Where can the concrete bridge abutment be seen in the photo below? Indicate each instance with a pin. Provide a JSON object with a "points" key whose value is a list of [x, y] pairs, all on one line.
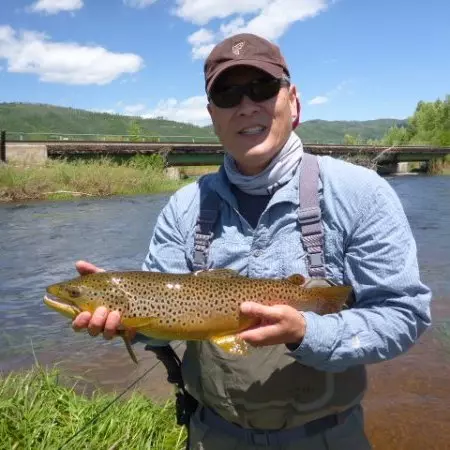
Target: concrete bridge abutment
{"points": [[26, 153]]}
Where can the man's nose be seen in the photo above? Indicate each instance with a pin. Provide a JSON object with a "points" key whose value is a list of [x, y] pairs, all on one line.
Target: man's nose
{"points": [[247, 106]]}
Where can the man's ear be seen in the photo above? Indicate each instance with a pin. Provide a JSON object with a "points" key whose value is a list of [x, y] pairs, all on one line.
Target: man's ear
{"points": [[295, 106], [211, 114]]}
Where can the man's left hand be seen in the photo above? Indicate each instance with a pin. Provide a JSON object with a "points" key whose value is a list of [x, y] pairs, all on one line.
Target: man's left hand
{"points": [[278, 324]]}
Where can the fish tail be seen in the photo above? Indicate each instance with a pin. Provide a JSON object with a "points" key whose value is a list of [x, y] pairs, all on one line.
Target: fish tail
{"points": [[334, 299]]}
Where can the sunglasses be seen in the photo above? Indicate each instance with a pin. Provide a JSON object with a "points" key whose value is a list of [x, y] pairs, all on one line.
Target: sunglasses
{"points": [[257, 90]]}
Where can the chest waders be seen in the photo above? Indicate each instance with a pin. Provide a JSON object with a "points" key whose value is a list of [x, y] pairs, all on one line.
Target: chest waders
{"points": [[283, 375]]}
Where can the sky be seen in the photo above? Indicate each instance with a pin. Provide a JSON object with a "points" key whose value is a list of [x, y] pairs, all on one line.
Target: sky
{"points": [[350, 59]]}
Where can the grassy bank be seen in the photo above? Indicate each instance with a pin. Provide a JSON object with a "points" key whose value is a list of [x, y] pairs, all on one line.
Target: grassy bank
{"points": [[66, 179], [38, 412]]}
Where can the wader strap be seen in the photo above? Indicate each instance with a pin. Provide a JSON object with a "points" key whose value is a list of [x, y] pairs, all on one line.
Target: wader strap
{"points": [[209, 210], [310, 216]]}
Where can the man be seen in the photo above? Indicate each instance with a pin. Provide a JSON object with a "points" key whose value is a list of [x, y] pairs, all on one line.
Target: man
{"points": [[301, 387]]}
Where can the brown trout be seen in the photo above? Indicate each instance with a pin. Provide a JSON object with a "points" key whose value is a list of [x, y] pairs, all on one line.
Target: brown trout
{"points": [[204, 305]]}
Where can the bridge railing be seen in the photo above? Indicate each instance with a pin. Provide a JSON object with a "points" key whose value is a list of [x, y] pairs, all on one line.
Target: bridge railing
{"points": [[96, 137], [90, 137]]}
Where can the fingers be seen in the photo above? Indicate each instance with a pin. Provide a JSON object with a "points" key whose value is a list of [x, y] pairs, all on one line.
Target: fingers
{"points": [[269, 314], [278, 324], [85, 268], [264, 335], [101, 321], [98, 321], [112, 324], [81, 321]]}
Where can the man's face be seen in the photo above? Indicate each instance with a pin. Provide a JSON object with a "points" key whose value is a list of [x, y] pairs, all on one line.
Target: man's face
{"points": [[253, 132]]}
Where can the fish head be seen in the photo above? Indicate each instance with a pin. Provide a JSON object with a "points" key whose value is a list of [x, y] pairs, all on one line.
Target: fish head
{"points": [[85, 293]]}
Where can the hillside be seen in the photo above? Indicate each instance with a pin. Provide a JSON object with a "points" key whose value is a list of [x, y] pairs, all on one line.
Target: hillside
{"points": [[42, 119], [333, 132]]}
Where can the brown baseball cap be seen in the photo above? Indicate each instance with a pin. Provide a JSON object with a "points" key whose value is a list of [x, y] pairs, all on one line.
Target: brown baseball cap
{"points": [[244, 50]]}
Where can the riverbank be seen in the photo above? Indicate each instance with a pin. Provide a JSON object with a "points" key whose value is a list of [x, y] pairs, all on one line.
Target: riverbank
{"points": [[41, 409], [58, 179]]}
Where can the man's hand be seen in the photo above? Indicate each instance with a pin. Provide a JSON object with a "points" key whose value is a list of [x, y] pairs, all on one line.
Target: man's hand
{"points": [[102, 320], [279, 324]]}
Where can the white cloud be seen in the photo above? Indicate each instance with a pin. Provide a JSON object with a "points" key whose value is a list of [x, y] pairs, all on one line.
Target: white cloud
{"points": [[134, 110], [267, 18], [319, 100], [201, 12], [339, 89], [56, 6], [232, 27], [66, 63], [191, 110], [138, 3], [200, 37], [202, 52]]}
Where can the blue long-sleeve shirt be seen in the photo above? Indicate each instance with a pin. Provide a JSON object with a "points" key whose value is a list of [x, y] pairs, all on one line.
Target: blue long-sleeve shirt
{"points": [[368, 244]]}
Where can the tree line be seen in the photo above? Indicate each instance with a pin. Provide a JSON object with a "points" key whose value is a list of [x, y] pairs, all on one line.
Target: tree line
{"points": [[429, 125]]}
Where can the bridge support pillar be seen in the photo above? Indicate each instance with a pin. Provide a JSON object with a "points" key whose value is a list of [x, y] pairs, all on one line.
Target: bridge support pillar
{"points": [[393, 168], [173, 173], [27, 153], [402, 167]]}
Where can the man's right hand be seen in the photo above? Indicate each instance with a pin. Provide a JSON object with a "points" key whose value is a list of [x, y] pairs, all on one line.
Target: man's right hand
{"points": [[102, 321]]}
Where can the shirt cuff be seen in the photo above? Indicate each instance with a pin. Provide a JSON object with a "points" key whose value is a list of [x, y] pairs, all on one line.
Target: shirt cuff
{"points": [[319, 340]]}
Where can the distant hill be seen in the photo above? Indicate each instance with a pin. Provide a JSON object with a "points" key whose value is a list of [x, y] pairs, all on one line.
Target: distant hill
{"points": [[333, 132], [43, 119]]}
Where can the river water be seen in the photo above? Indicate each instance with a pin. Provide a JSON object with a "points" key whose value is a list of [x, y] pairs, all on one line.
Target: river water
{"points": [[408, 401]]}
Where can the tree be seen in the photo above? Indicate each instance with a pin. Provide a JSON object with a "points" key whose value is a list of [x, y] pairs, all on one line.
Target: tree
{"points": [[135, 131]]}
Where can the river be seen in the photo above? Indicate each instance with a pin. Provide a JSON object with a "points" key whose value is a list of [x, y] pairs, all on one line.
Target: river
{"points": [[407, 405]]}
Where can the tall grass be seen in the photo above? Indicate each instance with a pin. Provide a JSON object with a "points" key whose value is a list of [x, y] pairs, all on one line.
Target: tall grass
{"points": [[103, 177], [440, 166], [38, 412]]}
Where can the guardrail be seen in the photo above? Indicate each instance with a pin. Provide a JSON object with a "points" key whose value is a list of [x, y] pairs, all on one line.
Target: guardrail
{"points": [[61, 137], [45, 137]]}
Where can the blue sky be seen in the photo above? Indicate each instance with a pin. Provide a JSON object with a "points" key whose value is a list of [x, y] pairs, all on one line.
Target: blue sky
{"points": [[350, 59]]}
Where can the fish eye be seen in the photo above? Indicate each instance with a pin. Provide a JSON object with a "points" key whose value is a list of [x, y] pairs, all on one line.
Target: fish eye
{"points": [[74, 292]]}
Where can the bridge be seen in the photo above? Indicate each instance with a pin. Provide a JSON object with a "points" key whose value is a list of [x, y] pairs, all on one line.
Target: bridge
{"points": [[176, 154]]}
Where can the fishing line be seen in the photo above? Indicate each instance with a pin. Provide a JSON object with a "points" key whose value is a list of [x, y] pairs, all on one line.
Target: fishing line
{"points": [[84, 427]]}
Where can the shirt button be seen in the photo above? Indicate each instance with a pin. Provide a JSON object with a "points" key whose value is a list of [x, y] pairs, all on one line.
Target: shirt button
{"points": [[258, 253]]}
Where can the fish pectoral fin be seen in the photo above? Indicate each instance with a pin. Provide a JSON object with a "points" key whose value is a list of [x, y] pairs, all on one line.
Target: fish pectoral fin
{"points": [[231, 344], [297, 279], [217, 273], [125, 335], [138, 322]]}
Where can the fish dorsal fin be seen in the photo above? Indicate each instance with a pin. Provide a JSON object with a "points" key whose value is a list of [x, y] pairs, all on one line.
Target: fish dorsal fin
{"points": [[217, 273], [296, 279], [318, 282]]}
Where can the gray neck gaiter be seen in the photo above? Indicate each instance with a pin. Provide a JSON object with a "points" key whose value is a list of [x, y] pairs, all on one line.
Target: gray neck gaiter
{"points": [[277, 173]]}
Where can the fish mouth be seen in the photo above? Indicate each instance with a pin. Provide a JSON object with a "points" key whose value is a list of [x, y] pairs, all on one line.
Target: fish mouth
{"points": [[62, 306]]}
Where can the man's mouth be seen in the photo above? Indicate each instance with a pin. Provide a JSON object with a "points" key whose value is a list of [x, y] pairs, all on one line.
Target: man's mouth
{"points": [[251, 131]]}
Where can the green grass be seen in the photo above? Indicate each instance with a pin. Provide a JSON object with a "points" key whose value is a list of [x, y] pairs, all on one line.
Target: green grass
{"points": [[39, 411], [67, 179]]}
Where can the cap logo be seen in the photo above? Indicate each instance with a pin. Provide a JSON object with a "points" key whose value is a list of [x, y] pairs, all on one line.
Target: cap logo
{"points": [[236, 49]]}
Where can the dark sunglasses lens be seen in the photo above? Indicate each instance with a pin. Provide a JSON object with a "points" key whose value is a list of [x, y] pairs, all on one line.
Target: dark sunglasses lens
{"points": [[227, 98], [263, 90], [258, 91]]}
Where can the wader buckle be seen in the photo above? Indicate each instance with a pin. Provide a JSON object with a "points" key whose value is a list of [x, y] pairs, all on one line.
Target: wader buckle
{"points": [[261, 438]]}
